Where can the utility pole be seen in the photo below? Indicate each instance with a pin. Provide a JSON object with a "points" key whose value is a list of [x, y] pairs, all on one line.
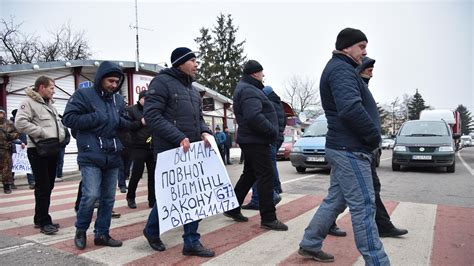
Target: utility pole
{"points": [[137, 52]]}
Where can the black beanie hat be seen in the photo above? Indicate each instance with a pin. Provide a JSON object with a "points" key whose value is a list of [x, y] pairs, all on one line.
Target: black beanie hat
{"points": [[181, 55], [141, 94], [252, 66], [367, 62], [348, 37]]}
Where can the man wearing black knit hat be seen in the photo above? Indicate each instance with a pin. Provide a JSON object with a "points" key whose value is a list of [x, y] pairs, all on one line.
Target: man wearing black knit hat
{"points": [[258, 129], [353, 134], [173, 113]]}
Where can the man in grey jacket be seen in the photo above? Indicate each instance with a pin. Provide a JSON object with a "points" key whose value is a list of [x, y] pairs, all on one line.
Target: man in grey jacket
{"points": [[38, 118]]}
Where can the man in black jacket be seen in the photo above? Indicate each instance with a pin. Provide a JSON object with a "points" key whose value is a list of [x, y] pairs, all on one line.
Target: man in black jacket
{"points": [[258, 122], [382, 218], [142, 153], [173, 112]]}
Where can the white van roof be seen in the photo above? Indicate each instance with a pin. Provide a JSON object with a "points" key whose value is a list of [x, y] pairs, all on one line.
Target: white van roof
{"points": [[433, 115]]}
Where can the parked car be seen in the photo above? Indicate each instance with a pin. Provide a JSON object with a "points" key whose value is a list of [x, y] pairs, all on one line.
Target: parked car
{"points": [[284, 152], [422, 143], [309, 151], [466, 141], [388, 143]]}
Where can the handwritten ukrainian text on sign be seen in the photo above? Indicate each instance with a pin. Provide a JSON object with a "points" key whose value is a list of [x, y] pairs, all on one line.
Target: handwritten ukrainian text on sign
{"points": [[21, 164], [191, 186]]}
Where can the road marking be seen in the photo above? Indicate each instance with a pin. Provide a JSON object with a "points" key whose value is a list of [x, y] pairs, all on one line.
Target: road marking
{"points": [[14, 248], [465, 164], [297, 179], [384, 159]]}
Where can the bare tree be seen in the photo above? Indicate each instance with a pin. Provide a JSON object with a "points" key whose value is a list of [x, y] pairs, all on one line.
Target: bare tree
{"points": [[64, 44], [18, 48], [302, 95]]}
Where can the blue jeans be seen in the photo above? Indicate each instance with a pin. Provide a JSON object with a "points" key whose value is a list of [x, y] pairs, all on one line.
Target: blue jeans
{"points": [[351, 184], [59, 167], [99, 184], [30, 178], [191, 236], [276, 176]]}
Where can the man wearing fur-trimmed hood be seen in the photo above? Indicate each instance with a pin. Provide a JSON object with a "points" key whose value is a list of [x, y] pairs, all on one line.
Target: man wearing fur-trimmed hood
{"points": [[39, 119]]}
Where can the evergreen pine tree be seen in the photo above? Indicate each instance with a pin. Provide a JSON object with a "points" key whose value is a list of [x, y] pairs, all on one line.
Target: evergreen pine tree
{"points": [[415, 106], [221, 56], [467, 124]]}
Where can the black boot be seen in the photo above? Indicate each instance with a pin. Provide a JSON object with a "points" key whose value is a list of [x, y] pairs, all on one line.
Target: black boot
{"points": [[80, 239], [7, 189]]}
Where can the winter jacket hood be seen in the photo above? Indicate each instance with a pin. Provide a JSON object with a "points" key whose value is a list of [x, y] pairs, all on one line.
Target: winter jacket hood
{"points": [[105, 68]]}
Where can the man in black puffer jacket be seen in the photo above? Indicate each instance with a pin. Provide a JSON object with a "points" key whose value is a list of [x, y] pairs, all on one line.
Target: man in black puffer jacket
{"points": [[173, 112], [258, 123], [141, 153], [353, 133]]}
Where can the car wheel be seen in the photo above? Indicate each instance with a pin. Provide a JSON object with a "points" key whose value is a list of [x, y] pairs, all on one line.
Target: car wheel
{"points": [[300, 169], [451, 168], [395, 167]]}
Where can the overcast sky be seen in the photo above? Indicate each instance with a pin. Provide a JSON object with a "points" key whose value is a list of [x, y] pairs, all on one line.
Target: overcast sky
{"points": [[417, 44]]}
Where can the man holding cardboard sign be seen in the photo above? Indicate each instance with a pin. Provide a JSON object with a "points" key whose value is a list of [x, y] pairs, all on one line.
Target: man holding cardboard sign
{"points": [[173, 111]]}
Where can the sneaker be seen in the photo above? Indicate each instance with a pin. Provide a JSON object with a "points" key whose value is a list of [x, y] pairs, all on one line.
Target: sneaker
{"points": [[13, 186], [7, 189], [123, 190], [250, 206], [154, 242], [80, 239], [320, 256], [131, 203], [336, 231], [106, 240], [58, 179], [275, 225], [32, 186], [238, 217], [394, 232], [198, 250], [49, 229]]}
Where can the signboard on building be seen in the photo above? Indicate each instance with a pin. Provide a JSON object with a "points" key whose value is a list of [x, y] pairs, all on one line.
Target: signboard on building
{"points": [[140, 83]]}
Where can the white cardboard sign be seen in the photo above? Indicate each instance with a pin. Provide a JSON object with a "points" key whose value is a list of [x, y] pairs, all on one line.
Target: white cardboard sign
{"points": [[21, 164], [191, 186]]}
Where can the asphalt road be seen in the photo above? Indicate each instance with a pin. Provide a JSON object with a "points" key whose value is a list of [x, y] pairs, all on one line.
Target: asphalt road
{"points": [[418, 185]]}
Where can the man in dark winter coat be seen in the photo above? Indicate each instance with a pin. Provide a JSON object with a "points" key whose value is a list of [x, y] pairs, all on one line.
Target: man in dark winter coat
{"points": [[97, 114], [173, 112], [382, 218], [353, 134], [276, 101], [257, 121], [142, 153]]}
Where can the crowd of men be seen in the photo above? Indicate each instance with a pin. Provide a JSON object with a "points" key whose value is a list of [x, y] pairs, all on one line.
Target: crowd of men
{"points": [[169, 115]]}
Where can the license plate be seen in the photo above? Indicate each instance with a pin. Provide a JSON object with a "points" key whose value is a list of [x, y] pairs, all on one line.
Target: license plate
{"points": [[421, 157], [315, 159]]}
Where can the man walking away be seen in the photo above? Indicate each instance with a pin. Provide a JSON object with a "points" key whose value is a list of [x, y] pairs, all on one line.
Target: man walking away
{"points": [[258, 129]]}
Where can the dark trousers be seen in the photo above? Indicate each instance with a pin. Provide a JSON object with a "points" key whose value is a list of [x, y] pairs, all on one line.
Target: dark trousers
{"points": [[140, 158], [257, 168], [381, 215], [227, 154], [44, 170]]}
